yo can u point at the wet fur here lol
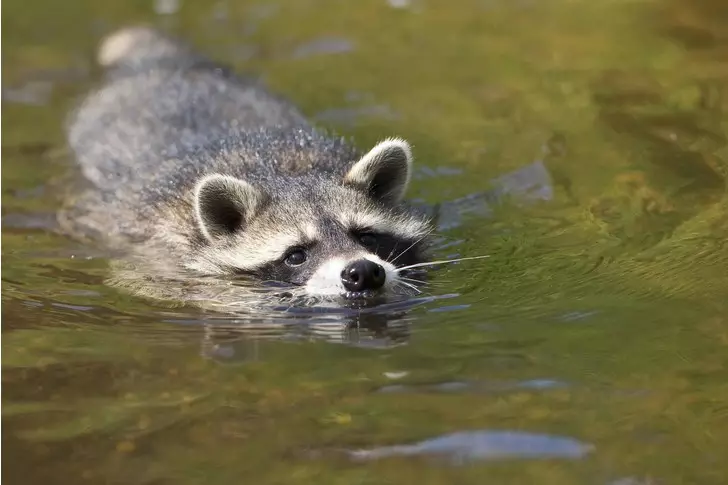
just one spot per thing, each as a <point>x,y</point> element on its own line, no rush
<point>165,119</point>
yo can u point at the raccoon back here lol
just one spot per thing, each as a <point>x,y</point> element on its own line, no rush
<point>161,101</point>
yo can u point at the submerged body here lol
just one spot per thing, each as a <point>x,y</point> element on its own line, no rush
<point>193,170</point>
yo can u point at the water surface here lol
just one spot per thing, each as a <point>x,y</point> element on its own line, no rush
<point>581,144</point>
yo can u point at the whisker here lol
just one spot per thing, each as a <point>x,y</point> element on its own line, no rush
<point>409,285</point>
<point>412,280</point>
<point>411,245</point>
<point>390,253</point>
<point>431,287</point>
<point>427,283</point>
<point>431,263</point>
<point>423,283</point>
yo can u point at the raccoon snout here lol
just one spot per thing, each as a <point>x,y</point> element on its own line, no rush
<point>362,275</point>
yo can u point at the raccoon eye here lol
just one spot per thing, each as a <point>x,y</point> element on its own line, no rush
<point>296,257</point>
<point>368,240</point>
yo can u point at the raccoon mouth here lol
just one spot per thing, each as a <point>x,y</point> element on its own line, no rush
<point>365,295</point>
<point>360,295</point>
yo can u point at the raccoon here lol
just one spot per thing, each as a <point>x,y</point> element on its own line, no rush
<point>192,169</point>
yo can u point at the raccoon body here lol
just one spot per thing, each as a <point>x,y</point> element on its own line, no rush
<point>191,168</point>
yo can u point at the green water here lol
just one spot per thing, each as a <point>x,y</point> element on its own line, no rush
<point>600,318</point>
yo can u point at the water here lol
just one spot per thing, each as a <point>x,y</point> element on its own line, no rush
<point>582,145</point>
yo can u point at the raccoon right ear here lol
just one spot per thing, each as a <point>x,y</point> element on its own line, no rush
<point>384,173</point>
<point>223,205</point>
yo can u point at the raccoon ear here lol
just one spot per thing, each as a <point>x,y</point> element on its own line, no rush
<point>224,204</point>
<point>385,171</point>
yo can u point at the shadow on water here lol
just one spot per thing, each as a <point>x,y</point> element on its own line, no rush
<point>582,145</point>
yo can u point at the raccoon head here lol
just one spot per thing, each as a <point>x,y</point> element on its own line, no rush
<point>333,235</point>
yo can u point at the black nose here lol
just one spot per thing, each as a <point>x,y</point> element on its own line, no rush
<point>363,275</point>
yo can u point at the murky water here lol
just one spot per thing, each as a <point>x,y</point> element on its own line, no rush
<point>581,144</point>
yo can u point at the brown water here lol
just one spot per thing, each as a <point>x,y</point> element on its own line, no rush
<point>591,348</point>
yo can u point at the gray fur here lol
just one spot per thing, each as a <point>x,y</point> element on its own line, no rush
<point>175,148</point>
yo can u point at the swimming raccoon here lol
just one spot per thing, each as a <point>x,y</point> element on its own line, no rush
<point>195,170</point>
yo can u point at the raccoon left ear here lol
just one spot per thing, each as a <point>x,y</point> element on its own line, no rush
<point>385,171</point>
<point>224,204</point>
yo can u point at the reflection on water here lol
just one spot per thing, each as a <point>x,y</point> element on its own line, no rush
<point>492,387</point>
<point>472,445</point>
<point>529,184</point>
<point>582,145</point>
